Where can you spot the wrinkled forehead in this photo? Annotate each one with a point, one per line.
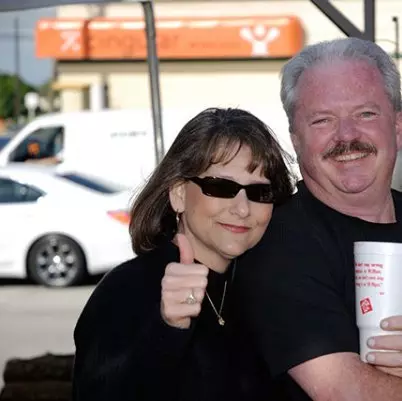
(342, 83)
(340, 74)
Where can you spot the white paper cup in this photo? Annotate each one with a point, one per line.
(378, 281)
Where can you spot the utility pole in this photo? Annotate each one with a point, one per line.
(395, 20)
(153, 66)
(17, 73)
(344, 23)
(104, 76)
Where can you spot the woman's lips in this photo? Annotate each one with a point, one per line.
(235, 229)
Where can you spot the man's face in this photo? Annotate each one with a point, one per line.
(346, 132)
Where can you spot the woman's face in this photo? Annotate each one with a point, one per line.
(221, 229)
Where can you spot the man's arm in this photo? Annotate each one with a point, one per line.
(293, 295)
(343, 377)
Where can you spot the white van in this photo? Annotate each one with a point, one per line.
(115, 144)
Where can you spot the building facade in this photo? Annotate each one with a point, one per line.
(213, 53)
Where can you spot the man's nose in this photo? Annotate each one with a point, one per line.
(347, 130)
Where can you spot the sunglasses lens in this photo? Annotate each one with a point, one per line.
(227, 189)
(261, 193)
(220, 188)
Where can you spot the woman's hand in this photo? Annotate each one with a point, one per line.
(183, 287)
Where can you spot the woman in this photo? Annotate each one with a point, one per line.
(151, 332)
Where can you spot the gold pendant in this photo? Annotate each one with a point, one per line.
(221, 321)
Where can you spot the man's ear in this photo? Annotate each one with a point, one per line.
(295, 142)
(177, 197)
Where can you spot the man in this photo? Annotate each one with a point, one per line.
(296, 288)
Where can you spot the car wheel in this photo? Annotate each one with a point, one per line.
(56, 261)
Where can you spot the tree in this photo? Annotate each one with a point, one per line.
(45, 88)
(8, 96)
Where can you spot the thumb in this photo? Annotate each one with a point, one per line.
(186, 250)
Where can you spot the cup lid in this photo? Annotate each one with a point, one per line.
(378, 248)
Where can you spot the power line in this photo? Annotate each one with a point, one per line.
(11, 36)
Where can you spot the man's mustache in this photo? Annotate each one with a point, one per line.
(342, 148)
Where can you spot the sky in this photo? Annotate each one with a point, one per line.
(34, 71)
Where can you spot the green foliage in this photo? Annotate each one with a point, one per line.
(8, 96)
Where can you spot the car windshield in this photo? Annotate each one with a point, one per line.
(93, 183)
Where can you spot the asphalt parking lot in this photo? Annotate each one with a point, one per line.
(35, 320)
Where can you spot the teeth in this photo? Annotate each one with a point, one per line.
(350, 157)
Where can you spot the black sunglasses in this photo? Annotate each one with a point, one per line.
(227, 189)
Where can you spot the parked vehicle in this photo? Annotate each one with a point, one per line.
(59, 226)
(4, 139)
(115, 144)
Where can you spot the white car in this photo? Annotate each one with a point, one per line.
(56, 227)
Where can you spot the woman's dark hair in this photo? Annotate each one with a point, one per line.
(213, 136)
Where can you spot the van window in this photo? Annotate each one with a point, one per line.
(92, 183)
(14, 192)
(4, 141)
(44, 143)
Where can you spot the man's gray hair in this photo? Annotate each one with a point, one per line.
(338, 50)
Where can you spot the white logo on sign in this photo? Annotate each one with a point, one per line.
(70, 41)
(260, 37)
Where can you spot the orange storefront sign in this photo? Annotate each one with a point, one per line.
(61, 39)
(190, 38)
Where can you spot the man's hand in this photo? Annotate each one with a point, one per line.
(390, 361)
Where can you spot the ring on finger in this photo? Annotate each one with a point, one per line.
(191, 299)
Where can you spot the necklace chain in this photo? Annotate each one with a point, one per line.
(221, 321)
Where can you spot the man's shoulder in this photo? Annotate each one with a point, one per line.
(302, 223)
(297, 211)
